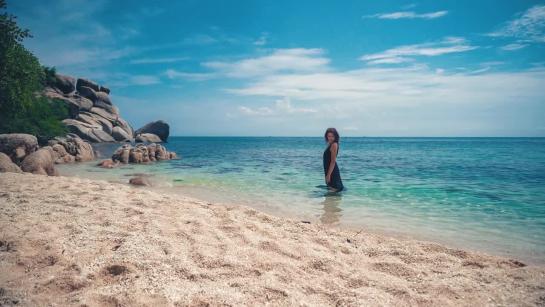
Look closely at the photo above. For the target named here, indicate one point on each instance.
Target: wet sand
(76, 242)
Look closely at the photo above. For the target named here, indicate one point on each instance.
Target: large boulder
(18, 145)
(84, 150)
(41, 162)
(148, 138)
(65, 84)
(75, 102)
(104, 89)
(159, 128)
(61, 155)
(6, 165)
(120, 135)
(88, 83)
(122, 154)
(103, 97)
(88, 93)
(95, 119)
(82, 103)
(108, 107)
(90, 132)
(107, 114)
(71, 148)
(125, 126)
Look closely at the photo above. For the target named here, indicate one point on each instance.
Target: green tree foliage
(21, 79)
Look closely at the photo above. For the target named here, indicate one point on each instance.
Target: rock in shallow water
(142, 153)
(108, 163)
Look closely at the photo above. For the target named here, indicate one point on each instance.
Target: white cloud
(284, 106)
(143, 80)
(414, 100)
(389, 60)
(527, 27)
(400, 54)
(191, 76)
(281, 107)
(262, 111)
(513, 47)
(399, 86)
(408, 15)
(281, 60)
(158, 60)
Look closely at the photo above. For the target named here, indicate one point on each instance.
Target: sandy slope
(69, 241)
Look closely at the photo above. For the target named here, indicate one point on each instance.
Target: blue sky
(369, 68)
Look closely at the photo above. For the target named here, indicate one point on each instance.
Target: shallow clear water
(485, 194)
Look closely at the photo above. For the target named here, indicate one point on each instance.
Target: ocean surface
(485, 194)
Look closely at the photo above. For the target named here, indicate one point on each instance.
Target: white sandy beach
(77, 242)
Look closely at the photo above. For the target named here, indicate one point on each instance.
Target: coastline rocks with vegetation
(140, 154)
(66, 84)
(159, 128)
(92, 115)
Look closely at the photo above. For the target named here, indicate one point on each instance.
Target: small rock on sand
(140, 181)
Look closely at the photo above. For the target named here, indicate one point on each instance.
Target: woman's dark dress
(335, 181)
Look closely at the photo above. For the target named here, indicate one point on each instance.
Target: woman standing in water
(331, 170)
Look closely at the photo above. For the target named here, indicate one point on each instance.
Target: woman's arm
(333, 148)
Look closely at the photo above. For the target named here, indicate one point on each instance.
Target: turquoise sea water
(485, 194)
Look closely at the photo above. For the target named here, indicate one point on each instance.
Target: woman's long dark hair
(335, 134)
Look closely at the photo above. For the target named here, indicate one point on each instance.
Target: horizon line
(314, 136)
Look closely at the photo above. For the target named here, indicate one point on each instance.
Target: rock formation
(6, 165)
(148, 138)
(18, 145)
(71, 149)
(141, 154)
(93, 117)
(158, 128)
(22, 150)
(41, 162)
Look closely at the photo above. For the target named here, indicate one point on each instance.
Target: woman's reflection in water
(332, 210)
